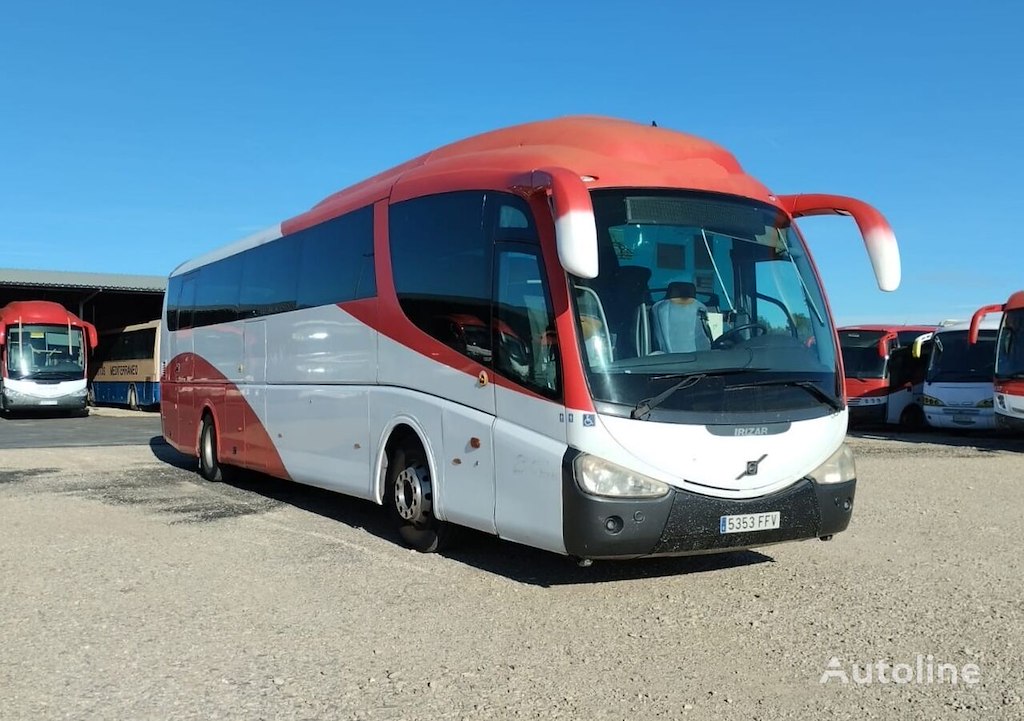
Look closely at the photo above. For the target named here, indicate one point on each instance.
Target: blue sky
(136, 135)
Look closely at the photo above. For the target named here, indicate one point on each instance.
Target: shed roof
(84, 281)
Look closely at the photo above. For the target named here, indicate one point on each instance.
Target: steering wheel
(729, 337)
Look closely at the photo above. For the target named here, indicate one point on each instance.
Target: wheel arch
(205, 408)
(399, 428)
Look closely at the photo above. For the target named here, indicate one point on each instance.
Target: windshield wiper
(687, 380)
(808, 386)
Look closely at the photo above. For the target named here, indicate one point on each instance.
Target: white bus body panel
(1010, 406)
(308, 377)
(960, 409)
(31, 394)
(692, 458)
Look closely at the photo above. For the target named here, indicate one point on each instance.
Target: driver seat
(679, 320)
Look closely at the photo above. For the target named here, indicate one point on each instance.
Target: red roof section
(44, 312)
(1016, 301)
(614, 152)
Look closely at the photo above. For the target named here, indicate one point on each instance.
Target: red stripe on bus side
(236, 423)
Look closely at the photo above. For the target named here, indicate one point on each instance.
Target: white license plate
(47, 403)
(749, 522)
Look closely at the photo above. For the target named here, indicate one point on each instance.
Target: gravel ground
(132, 589)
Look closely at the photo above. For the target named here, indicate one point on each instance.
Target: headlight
(839, 468)
(16, 396)
(930, 401)
(601, 478)
(987, 403)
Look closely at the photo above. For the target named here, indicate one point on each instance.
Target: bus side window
(525, 350)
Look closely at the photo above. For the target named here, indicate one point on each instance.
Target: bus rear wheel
(209, 466)
(409, 496)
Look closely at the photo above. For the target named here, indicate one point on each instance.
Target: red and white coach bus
(883, 376)
(1008, 383)
(662, 377)
(44, 350)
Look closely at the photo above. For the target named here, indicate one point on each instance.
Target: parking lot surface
(131, 588)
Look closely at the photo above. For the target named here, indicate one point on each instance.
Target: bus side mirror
(972, 334)
(3, 332)
(919, 344)
(92, 335)
(882, 347)
(879, 239)
(573, 213)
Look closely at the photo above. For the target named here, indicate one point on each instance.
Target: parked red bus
(883, 377)
(1008, 383)
(464, 339)
(44, 351)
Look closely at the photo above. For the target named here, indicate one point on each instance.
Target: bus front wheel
(209, 466)
(912, 418)
(409, 497)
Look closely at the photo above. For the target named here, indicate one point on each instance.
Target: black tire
(409, 496)
(912, 418)
(209, 466)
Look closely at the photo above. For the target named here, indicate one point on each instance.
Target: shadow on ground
(479, 550)
(976, 441)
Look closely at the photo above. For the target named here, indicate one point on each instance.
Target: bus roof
(38, 311)
(609, 151)
(1016, 301)
(890, 328)
(129, 328)
(42, 312)
(991, 322)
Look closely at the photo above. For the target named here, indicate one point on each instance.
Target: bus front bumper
(685, 523)
(14, 400)
(1006, 422)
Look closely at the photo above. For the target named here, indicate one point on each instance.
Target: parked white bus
(586, 335)
(957, 391)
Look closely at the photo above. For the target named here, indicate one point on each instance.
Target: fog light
(613, 524)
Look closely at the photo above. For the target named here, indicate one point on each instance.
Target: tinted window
(524, 327)
(133, 345)
(187, 301)
(337, 260)
(173, 300)
(269, 278)
(217, 292)
(441, 259)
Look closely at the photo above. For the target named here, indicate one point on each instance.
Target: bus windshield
(704, 285)
(1010, 347)
(45, 352)
(860, 353)
(954, 360)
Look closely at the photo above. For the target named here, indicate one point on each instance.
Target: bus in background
(957, 390)
(883, 378)
(126, 367)
(1008, 378)
(44, 352)
(463, 339)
